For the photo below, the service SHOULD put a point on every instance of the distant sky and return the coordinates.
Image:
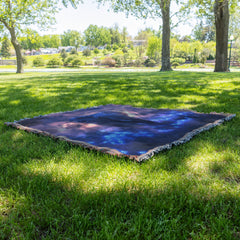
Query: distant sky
(89, 13)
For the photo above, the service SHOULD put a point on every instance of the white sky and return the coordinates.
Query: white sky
(88, 13)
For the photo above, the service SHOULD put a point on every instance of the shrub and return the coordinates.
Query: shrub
(38, 62)
(130, 63)
(97, 62)
(96, 50)
(236, 55)
(74, 51)
(211, 57)
(68, 60)
(175, 64)
(119, 60)
(76, 62)
(115, 46)
(24, 60)
(153, 49)
(138, 62)
(73, 61)
(109, 61)
(180, 54)
(105, 52)
(63, 54)
(178, 60)
(118, 52)
(195, 56)
(109, 48)
(54, 62)
(203, 59)
(126, 59)
(125, 50)
(150, 62)
(131, 46)
(195, 59)
(86, 52)
(122, 45)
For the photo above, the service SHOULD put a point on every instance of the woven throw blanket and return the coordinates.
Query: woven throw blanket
(123, 130)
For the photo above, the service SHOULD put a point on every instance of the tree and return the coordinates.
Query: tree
(221, 10)
(31, 41)
(234, 25)
(15, 15)
(154, 48)
(165, 9)
(51, 41)
(72, 38)
(63, 54)
(5, 50)
(186, 38)
(97, 36)
(115, 35)
(144, 9)
(124, 35)
(205, 32)
(144, 35)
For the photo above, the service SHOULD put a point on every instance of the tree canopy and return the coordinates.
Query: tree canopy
(234, 25)
(145, 9)
(22, 13)
(71, 38)
(5, 49)
(17, 15)
(220, 10)
(97, 36)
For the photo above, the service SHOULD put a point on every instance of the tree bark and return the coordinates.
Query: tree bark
(17, 48)
(165, 8)
(221, 12)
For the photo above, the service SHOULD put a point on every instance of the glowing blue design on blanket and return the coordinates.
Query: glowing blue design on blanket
(114, 135)
(119, 138)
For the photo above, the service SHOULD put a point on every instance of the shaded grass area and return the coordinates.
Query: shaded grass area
(52, 190)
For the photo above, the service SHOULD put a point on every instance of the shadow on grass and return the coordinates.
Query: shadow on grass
(64, 92)
(43, 206)
(109, 198)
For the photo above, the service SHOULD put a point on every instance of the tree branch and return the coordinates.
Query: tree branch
(5, 23)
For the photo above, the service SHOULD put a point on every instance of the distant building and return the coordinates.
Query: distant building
(48, 50)
(137, 43)
(67, 48)
(102, 47)
(33, 52)
(82, 48)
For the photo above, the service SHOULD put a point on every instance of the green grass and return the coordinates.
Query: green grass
(196, 65)
(8, 67)
(52, 190)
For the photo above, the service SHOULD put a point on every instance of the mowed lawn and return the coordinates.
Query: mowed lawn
(53, 190)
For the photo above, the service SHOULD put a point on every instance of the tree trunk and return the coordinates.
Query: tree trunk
(221, 12)
(17, 48)
(165, 8)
